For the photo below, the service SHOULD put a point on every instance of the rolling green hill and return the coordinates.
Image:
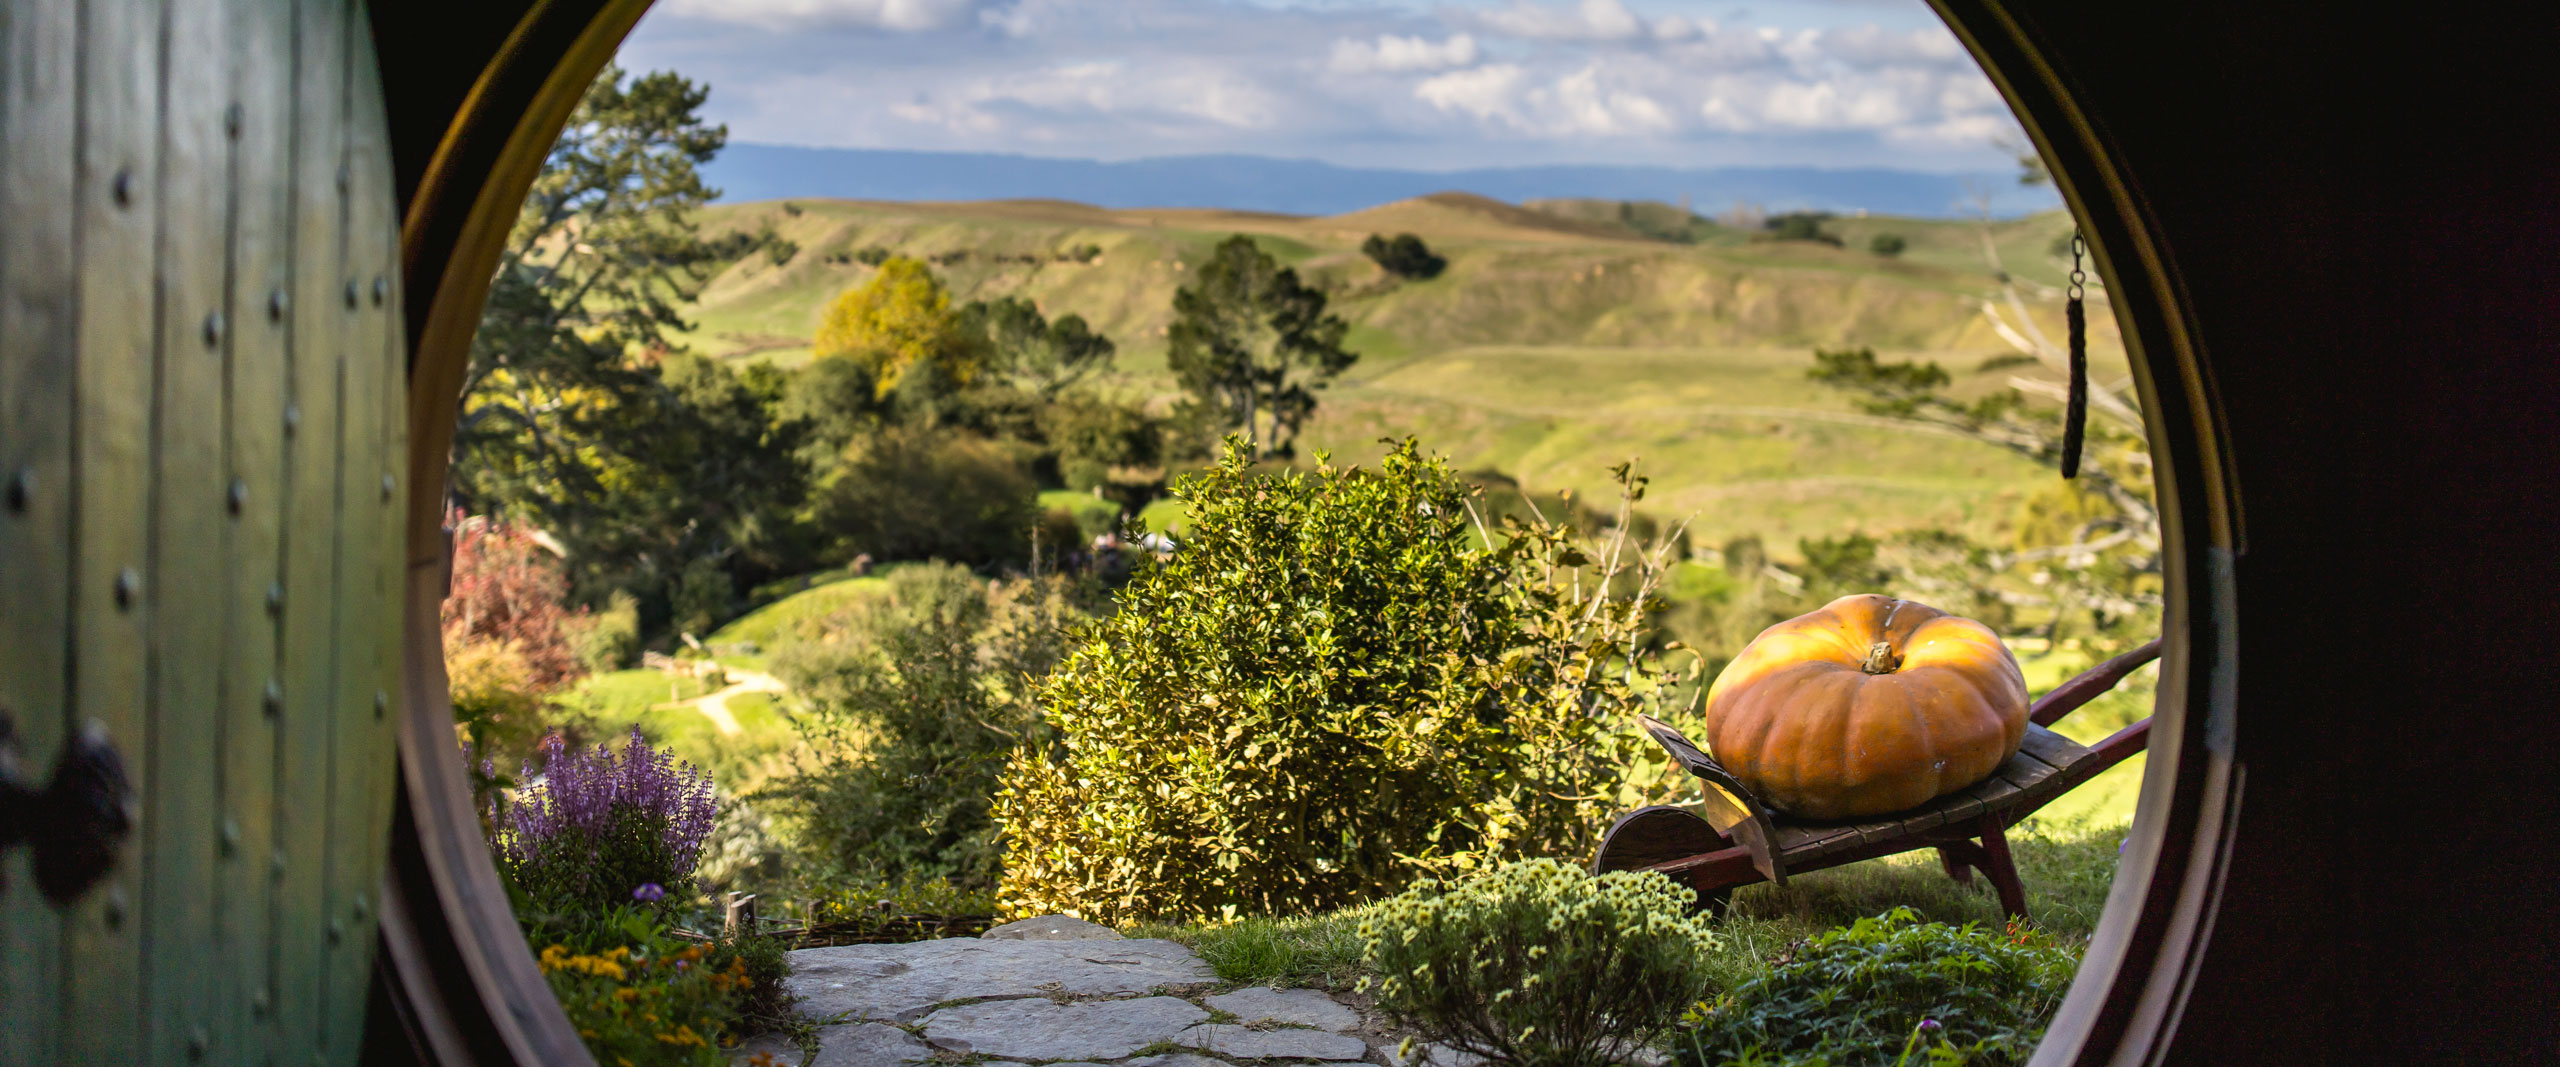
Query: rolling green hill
(1562, 338)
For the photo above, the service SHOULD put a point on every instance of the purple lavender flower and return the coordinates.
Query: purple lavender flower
(591, 822)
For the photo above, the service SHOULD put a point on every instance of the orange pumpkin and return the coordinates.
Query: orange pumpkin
(1866, 706)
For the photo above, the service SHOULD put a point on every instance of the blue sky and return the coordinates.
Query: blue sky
(1425, 84)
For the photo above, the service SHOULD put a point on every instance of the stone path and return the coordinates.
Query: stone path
(1066, 993)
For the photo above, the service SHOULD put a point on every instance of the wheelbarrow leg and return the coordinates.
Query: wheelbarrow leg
(1991, 857)
(1956, 868)
(2003, 871)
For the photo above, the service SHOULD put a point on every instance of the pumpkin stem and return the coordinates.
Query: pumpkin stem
(1880, 659)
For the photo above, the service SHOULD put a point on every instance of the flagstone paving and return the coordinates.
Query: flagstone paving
(1059, 992)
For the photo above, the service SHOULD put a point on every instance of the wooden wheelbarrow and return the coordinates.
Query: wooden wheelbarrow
(1732, 840)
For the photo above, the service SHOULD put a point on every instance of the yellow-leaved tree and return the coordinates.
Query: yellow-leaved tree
(896, 322)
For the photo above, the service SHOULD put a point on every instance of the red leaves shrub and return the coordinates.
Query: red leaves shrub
(508, 590)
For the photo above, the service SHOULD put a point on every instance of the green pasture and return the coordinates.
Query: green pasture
(1557, 343)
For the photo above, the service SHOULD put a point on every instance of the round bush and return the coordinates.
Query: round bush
(1540, 963)
(1336, 685)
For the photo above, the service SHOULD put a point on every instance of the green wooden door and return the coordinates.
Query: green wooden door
(201, 419)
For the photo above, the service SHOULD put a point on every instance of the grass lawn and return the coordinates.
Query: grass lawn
(1094, 515)
(792, 616)
(2066, 867)
(622, 699)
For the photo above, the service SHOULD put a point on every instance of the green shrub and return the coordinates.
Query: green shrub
(905, 493)
(1404, 256)
(703, 597)
(1802, 226)
(918, 694)
(1887, 244)
(1539, 963)
(1861, 994)
(1338, 683)
(608, 640)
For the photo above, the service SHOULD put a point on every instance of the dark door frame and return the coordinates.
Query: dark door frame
(478, 94)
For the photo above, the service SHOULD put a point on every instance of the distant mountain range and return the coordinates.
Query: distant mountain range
(745, 172)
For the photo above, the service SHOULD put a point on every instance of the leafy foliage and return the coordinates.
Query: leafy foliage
(1339, 683)
(1537, 962)
(608, 640)
(507, 590)
(918, 695)
(600, 829)
(911, 493)
(643, 998)
(1887, 244)
(1404, 256)
(1042, 357)
(577, 416)
(2090, 548)
(1886, 988)
(508, 641)
(1250, 343)
(897, 322)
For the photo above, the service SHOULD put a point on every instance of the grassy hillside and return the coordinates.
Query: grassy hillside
(1562, 338)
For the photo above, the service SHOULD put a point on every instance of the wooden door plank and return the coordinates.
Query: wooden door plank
(302, 772)
(365, 542)
(179, 814)
(39, 114)
(254, 398)
(112, 589)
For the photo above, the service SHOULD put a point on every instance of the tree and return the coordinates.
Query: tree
(896, 322)
(1405, 256)
(1250, 341)
(2091, 545)
(1802, 226)
(580, 416)
(1036, 355)
(1887, 244)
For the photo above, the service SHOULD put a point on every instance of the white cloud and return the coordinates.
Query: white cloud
(1459, 82)
(1578, 104)
(1487, 92)
(1590, 20)
(906, 15)
(1027, 103)
(1585, 106)
(1394, 54)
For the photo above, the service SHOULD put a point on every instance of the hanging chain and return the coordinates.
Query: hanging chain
(2075, 416)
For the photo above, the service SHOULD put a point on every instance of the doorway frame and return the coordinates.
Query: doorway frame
(454, 973)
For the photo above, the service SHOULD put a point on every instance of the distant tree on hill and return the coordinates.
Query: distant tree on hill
(898, 320)
(1041, 357)
(1887, 244)
(1404, 256)
(1251, 342)
(1802, 226)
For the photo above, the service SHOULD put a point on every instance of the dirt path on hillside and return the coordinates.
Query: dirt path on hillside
(714, 705)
